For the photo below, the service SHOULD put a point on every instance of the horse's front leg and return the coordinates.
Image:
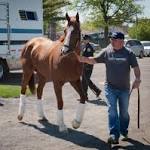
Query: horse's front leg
(81, 107)
(60, 117)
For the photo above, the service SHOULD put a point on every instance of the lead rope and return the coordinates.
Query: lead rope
(138, 121)
(138, 113)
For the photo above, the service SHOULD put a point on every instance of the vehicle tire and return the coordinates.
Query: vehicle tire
(141, 55)
(3, 70)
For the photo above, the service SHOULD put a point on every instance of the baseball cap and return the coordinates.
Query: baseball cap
(117, 35)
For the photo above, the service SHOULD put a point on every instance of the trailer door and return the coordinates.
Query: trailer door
(4, 29)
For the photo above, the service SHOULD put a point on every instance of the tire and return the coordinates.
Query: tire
(3, 70)
(141, 55)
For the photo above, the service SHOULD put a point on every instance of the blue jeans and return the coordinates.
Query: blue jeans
(118, 116)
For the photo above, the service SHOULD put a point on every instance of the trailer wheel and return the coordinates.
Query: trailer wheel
(141, 55)
(3, 70)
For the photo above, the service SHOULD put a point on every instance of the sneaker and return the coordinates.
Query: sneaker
(113, 140)
(125, 137)
(1, 104)
(87, 99)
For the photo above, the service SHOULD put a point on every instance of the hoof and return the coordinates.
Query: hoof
(20, 117)
(44, 119)
(75, 124)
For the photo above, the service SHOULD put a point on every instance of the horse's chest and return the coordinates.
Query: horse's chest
(71, 66)
(66, 63)
(68, 69)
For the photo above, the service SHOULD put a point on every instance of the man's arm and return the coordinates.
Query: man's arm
(100, 58)
(137, 80)
(88, 60)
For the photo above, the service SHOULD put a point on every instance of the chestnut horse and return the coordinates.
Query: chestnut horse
(54, 61)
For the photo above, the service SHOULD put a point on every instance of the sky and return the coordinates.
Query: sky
(146, 4)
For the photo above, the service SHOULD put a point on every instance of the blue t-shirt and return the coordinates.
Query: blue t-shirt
(118, 63)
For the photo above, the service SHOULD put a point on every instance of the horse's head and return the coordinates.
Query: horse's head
(72, 34)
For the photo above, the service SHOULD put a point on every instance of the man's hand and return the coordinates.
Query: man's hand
(137, 80)
(136, 83)
(88, 60)
(80, 59)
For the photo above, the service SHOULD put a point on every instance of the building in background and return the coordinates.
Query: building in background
(19, 21)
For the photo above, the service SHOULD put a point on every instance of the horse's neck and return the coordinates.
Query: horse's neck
(78, 48)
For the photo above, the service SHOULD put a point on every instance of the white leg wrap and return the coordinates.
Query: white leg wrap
(79, 116)
(22, 105)
(80, 112)
(60, 121)
(40, 109)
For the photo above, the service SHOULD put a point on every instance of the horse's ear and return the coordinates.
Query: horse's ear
(67, 17)
(77, 17)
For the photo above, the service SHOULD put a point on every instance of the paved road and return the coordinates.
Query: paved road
(33, 135)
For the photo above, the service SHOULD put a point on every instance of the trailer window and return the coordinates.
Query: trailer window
(13, 42)
(27, 15)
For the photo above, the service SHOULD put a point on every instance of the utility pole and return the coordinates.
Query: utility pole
(136, 21)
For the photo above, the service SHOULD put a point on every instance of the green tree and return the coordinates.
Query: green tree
(52, 13)
(141, 30)
(88, 26)
(105, 13)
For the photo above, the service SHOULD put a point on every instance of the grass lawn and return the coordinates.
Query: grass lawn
(7, 91)
(11, 91)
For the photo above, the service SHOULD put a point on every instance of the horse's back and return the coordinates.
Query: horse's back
(37, 54)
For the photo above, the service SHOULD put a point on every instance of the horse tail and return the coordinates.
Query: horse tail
(31, 84)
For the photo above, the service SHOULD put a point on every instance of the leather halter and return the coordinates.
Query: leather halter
(69, 50)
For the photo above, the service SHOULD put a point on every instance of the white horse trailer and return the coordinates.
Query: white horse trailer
(20, 20)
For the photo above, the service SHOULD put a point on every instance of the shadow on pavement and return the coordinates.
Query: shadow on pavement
(136, 145)
(77, 137)
(98, 102)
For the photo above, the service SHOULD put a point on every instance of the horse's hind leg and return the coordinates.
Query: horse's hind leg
(22, 105)
(41, 84)
(78, 87)
(81, 107)
(60, 118)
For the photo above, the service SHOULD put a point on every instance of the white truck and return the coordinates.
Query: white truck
(20, 20)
